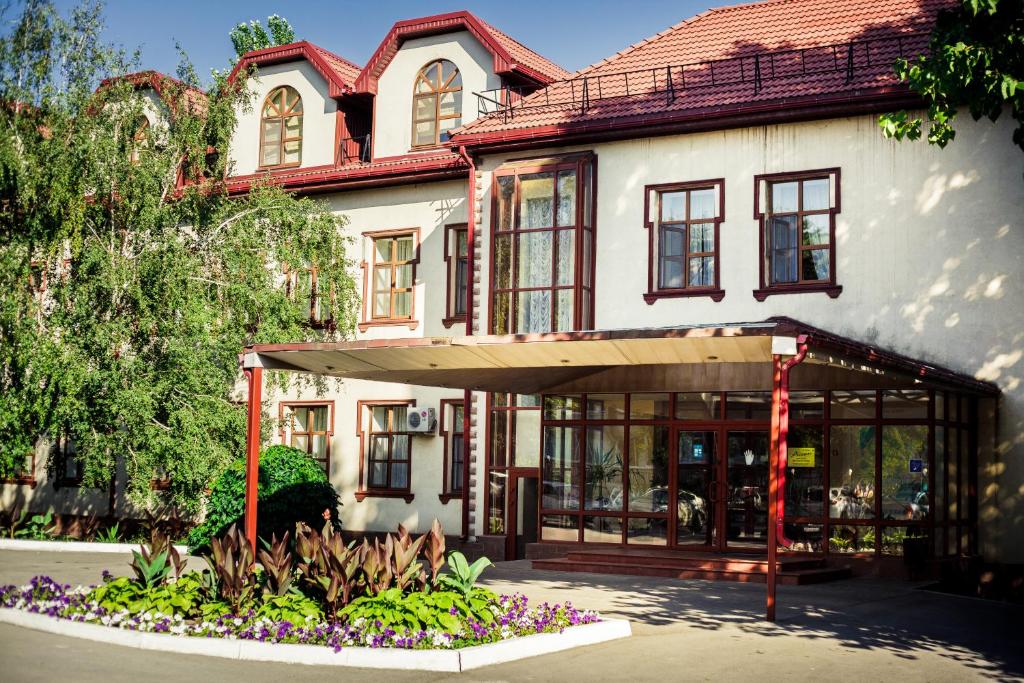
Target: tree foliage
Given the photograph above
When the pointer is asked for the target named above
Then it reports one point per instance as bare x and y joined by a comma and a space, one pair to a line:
975, 59
252, 36
130, 279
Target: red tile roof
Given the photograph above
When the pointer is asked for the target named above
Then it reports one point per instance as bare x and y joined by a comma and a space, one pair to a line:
384, 171
510, 56
347, 71
799, 47
194, 97
339, 73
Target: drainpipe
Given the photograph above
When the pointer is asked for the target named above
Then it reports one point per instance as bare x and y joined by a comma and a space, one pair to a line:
777, 463
254, 376
471, 268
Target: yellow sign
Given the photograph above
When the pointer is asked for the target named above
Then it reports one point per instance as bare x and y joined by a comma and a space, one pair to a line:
801, 457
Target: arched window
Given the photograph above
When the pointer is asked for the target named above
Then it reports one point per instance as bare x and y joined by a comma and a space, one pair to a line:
140, 140
281, 128
436, 103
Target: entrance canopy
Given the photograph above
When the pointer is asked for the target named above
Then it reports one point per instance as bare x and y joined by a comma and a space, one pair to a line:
535, 363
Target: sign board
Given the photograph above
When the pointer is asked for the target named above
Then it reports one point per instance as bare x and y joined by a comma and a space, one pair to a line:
801, 457
916, 465
698, 451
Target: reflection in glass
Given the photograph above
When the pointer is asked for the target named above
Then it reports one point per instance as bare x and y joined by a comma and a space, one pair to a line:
564, 528
852, 473
649, 406
604, 468
905, 472
851, 539
699, 406
602, 529
804, 494
748, 405
853, 405
747, 488
560, 487
647, 531
648, 468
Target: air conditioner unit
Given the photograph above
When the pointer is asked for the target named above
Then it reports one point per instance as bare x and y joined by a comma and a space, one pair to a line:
420, 420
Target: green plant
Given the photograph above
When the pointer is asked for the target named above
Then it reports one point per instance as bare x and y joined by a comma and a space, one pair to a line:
39, 527
442, 610
294, 607
14, 520
292, 488
278, 568
153, 562
462, 576
110, 534
233, 569
327, 566
182, 597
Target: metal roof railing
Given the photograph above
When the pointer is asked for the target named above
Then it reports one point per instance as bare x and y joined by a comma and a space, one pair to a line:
755, 69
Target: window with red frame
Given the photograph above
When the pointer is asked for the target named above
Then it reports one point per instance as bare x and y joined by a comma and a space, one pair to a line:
542, 260
393, 275
309, 429
797, 213
388, 454
457, 258
455, 446
683, 220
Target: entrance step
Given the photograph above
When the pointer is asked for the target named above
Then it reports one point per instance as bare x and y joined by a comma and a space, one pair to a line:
687, 565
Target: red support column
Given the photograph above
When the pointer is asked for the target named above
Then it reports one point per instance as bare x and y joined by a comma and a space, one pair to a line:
777, 461
252, 451
773, 481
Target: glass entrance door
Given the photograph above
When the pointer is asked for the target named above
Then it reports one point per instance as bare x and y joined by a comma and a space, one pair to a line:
696, 461
746, 499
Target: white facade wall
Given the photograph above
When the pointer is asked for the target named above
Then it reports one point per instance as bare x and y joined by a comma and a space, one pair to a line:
392, 128
930, 249
318, 117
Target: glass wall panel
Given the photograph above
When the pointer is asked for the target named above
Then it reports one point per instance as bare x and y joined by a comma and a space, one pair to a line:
940, 474
952, 462
604, 468
563, 528
853, 405
498, 449
527, 438
748, 405
747, 487
806, 405
602, 529
851, 539
649, 406
694, 514
852, 473
560, 488
805, 537
563, 408
648, 468
905, 404
806, 472
699, 406
606, 407
900, 540
905, 472
496, 503
647, 531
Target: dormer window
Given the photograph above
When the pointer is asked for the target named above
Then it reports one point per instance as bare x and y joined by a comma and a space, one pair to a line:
436, 103
140, 139
281, 128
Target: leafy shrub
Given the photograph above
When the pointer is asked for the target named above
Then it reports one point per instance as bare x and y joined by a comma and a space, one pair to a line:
292, 488
182, 597
441, 610
462, 575
153, 562
37, 528
110, 534
232, 570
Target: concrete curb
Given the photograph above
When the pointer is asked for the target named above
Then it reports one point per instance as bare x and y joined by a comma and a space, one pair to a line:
362, 657
74, 546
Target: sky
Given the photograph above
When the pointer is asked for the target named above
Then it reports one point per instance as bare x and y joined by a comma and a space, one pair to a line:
570, 33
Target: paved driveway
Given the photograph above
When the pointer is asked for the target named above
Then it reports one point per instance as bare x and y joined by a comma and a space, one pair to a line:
683, 630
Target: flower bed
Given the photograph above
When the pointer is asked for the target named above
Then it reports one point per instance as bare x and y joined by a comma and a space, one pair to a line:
513, 617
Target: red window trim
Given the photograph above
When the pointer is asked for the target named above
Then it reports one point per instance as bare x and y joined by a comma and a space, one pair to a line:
362, 491
767, 289
281, 142
314, 295
553, 163
283, 430
446, 493
368, 320
653, 293
450, 267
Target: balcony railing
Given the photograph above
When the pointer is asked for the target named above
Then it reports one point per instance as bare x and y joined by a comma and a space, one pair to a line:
581, 92
354, 150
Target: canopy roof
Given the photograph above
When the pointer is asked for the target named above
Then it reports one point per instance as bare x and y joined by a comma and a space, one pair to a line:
534, 363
